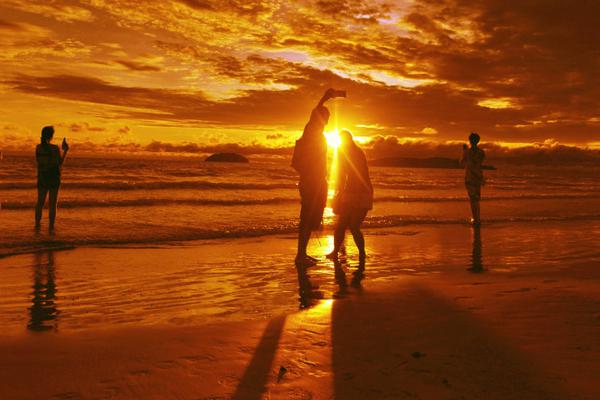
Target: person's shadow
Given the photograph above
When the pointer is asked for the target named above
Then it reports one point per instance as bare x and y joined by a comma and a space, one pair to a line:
476, 255
43, 312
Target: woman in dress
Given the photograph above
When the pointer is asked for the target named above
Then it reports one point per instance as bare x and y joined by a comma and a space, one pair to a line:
353, 196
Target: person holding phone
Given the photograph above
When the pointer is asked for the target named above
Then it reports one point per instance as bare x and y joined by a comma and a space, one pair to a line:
49, 164
310, 160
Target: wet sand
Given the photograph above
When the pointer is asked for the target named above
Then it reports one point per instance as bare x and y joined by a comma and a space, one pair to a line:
417, 324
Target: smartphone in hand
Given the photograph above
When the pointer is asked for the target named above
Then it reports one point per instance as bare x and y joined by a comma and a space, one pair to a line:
65, 145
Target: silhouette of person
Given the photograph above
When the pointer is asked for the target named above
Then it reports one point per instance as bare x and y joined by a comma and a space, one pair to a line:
476, 255
353, 196
49, 164
43, 310
310, 160
472, 160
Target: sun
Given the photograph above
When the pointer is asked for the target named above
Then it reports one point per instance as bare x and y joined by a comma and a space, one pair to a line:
333, 139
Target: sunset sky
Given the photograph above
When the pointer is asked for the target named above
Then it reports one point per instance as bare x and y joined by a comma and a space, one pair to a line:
116, 74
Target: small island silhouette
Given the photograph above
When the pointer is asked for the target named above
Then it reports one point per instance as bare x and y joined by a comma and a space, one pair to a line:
227, 157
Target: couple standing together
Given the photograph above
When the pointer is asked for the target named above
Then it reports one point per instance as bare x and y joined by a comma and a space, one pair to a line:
353, 192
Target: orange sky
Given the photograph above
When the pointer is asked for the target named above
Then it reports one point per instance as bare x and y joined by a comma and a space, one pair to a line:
115, 72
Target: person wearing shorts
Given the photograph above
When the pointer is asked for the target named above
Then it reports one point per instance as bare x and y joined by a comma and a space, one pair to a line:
310, 160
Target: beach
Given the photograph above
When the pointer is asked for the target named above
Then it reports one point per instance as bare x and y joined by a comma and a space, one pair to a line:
439, 312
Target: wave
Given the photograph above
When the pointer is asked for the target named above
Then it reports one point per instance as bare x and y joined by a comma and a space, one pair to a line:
180, 236
153, 202
89, 203
154, 185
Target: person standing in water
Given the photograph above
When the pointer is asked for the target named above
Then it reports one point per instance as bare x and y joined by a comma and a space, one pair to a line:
49, 164
353, 196
310, 160
472, 161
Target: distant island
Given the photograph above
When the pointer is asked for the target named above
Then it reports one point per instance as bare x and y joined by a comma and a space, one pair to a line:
433, 162
227, 157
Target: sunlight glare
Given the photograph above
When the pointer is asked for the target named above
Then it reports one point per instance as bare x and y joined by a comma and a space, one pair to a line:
333, 139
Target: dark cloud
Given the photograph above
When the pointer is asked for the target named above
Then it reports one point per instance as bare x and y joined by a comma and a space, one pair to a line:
85, 127
135, 66
544, 153
539, 61
198, 4
10, 26
253, 149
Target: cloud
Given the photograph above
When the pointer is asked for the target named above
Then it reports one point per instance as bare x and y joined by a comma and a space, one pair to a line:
135, 66
514, 71
548, 152
53, 9
193, 148
429, 131
84, 127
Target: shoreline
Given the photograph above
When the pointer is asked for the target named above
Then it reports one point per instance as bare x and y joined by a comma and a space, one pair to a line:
48, 242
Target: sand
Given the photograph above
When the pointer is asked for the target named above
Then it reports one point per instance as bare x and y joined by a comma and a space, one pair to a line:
516, 330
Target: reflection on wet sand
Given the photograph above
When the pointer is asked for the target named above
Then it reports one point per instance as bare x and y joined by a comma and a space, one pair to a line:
340, 279
311, 293
476, 256
43, 311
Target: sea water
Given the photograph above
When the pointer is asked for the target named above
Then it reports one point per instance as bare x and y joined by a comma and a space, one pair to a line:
120, 201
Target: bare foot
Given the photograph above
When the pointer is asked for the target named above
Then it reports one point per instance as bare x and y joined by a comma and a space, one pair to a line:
304, 261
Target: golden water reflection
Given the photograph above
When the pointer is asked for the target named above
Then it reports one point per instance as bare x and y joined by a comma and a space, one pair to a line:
43, 311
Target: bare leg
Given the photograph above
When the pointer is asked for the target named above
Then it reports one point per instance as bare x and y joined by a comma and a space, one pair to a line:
338, 235
42, 192
355, 222
359, 239
475, 210
303, 238
52, 200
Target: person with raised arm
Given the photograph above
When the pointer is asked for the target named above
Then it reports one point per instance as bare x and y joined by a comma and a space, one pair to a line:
310, 160
49, 165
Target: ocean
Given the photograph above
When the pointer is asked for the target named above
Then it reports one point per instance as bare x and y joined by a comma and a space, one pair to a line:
139, 201
179, 241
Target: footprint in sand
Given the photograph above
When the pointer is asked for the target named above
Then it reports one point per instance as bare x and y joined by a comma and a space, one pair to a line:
199, 357
167, 364
67, 396
140, 372
521, 290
